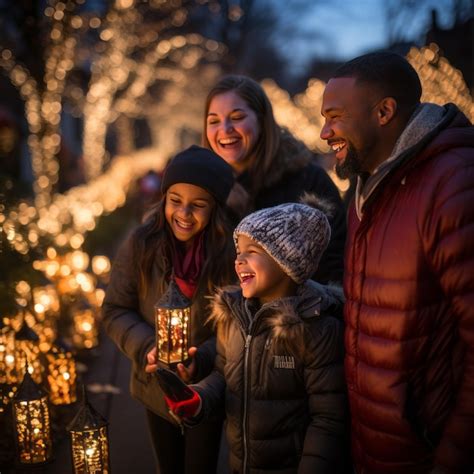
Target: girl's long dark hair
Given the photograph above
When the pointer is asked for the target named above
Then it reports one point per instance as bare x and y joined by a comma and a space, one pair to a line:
152, 242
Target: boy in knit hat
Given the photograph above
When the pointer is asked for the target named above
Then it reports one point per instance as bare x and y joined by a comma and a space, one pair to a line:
279, 366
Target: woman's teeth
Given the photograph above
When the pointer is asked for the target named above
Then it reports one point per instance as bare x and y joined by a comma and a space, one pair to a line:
228, 141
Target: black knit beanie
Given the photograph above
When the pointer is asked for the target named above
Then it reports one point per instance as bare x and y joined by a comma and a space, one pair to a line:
201, 167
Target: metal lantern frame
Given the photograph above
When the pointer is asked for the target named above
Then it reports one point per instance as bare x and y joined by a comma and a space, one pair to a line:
28, 353
8, 372
85, 327
172, 326
32, 426
89, 440
61, 376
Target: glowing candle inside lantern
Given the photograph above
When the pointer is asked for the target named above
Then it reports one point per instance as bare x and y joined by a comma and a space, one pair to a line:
172, 317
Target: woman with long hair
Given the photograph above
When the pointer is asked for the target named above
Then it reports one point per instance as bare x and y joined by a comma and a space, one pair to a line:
270, 165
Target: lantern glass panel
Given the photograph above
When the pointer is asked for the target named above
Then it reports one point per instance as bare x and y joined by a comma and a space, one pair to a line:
90, 452
172, 333
85, 332
33, 431
28, 353
61, 377
8, 373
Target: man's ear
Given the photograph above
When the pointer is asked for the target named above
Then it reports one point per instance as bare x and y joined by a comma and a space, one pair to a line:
386, 110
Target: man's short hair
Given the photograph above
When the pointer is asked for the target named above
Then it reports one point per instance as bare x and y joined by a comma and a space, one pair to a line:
390, 73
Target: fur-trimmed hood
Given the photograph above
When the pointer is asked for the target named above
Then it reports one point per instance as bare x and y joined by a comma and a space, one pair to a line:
285, 317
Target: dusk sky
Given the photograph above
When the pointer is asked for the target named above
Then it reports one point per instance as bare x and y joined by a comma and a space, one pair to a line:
346, 29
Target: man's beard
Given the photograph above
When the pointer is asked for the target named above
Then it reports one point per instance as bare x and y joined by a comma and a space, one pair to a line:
350, 166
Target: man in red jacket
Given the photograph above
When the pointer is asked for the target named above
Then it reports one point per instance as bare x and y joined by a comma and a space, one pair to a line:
409, 268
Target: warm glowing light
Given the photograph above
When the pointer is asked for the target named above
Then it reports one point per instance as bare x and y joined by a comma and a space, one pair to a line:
100, 264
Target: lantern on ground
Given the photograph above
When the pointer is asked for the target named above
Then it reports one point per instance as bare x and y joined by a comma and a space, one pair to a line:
61, 376
89, 441
85, 330
172, 319
28, 354
46, 314
32, 423
8, 373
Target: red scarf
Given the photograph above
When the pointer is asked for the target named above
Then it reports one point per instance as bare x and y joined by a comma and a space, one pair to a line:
187, 265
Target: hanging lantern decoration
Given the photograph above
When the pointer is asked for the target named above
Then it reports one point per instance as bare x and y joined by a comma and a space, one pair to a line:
85, 330
172, 319
28, 354
46, 314
32, 423
8, 373
89, 441
46, 301
61, 376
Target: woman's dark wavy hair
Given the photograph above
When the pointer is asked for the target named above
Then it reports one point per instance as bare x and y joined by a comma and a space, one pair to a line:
268, 142
152, 244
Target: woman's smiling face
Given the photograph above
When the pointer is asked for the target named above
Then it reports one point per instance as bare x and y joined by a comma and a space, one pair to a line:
188, 209
232, 130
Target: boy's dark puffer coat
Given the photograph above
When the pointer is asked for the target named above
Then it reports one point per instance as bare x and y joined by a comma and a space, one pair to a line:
283, 380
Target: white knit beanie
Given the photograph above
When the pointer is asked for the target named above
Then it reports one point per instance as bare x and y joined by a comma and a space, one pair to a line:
294, 235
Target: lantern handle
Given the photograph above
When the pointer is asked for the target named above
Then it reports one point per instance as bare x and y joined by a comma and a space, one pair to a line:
85, 399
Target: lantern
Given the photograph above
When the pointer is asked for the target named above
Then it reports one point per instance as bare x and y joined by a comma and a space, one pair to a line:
85, 331
89, 441
46, 301
172, 318
32, 423
8, 373
61, 376
28, 354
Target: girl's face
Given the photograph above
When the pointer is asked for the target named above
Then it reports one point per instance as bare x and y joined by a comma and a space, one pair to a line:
232, 130
188, 209
260, 276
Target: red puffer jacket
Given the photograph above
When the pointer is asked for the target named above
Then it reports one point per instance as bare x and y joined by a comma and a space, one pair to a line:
409, 313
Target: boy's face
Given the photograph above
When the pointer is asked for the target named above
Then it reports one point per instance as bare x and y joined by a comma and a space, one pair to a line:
260, 276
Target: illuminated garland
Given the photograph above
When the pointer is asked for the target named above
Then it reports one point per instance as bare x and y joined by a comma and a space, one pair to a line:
74, 213
43, 109
441, 82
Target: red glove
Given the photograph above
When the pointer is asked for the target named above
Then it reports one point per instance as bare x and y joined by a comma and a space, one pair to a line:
185, 408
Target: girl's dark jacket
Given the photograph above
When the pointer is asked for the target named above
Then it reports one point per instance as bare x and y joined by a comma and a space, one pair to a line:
293, 174
128, 319
283, 379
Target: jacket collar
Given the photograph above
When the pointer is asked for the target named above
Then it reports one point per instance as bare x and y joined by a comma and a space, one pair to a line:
425, 123
284, 315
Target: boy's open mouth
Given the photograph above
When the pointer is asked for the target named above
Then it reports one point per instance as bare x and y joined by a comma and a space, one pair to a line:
245, 276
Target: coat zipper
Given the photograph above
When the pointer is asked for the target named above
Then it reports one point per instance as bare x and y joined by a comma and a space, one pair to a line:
248, 339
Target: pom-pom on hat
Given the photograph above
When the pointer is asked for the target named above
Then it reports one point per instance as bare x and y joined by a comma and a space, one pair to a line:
201, 167
294, 235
